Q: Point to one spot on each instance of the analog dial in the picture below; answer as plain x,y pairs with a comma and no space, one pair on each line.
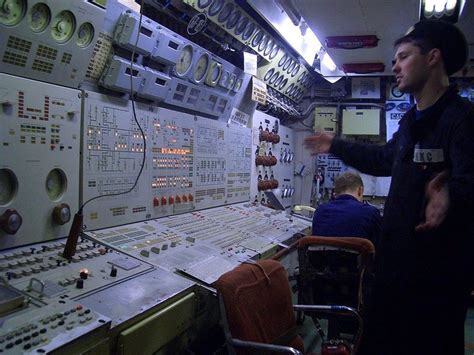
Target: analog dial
185,60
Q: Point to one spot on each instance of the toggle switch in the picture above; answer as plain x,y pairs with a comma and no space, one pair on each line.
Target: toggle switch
113,271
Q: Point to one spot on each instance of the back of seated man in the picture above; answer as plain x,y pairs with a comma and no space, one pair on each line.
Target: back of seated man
347,215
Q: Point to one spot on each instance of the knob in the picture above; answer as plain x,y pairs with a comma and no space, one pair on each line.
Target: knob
83,275
163,201
61,214
10,221
113,271
156,202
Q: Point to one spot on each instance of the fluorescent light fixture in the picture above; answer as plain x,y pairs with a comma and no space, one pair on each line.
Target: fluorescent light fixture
328,62
448,10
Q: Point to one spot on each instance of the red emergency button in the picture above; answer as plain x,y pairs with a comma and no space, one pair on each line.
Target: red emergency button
156,202
163,201
171,200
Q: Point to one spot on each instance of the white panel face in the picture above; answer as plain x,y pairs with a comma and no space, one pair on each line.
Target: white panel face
39,166
264,171
50,41
191,162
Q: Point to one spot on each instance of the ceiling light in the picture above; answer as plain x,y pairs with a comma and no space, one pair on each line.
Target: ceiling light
448,10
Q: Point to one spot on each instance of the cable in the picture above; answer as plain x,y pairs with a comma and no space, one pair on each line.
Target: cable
76,227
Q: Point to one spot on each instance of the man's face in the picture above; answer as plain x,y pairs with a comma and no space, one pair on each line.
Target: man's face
410,67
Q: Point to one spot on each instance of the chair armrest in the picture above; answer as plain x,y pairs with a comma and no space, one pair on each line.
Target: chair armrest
263,346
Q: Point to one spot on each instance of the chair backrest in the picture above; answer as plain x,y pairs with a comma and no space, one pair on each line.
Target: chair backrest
335,270
257,304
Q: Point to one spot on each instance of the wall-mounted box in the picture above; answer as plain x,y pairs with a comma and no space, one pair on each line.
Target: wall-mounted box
325,119
361,122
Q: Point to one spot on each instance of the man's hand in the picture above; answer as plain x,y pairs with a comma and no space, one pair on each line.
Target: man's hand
319,142
438,202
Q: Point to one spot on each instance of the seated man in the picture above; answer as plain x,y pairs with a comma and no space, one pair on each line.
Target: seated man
347,215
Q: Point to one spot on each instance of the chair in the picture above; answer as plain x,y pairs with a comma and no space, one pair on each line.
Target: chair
335,270
257,310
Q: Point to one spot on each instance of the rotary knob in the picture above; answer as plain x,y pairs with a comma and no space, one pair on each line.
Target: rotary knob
61,214
10,221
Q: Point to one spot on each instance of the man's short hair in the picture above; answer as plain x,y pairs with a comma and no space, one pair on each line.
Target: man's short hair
349,181
429,34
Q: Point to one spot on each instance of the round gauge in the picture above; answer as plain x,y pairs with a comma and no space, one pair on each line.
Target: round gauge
283,60
274,77
249,31
232,79
12,11
214,73
291,67
301,77
39,17
224,81
8,186
63,26
225,12
56,184
202,4
287,64
268,74
238,85
216,6
200,68
85,34
295,70
283,84
185,60
274,51
257,38
290,88
268,47
278,81
263,43
233,19
244,21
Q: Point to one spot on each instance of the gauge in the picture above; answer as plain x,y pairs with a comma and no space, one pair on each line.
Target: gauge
244,21
263,43
12,11
216,6
8,186
224,80
288,63
290,88
225,12
214,73
295,70
232,79
249,31
85,34
283,84
278,81
269,74
291,67
233,19
202,4
274,52
257,39
56,184
200,68
39,17
274,77
238,85
283,60
63,26
268,47
185,60
301,77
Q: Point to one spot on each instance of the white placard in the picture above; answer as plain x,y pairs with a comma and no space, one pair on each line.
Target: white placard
250,63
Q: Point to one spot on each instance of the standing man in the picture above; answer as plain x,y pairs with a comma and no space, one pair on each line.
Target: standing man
347,215
424,264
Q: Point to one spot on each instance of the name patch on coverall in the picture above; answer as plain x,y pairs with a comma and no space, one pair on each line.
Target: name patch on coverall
428,155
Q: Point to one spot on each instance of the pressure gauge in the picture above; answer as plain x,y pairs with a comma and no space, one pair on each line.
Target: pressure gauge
56,184
8,186
216,6
85,35
268,74
12,11
185,60
238,85
200,68
249,31
232,80
224,81
63,26
214,73
39,17
283,84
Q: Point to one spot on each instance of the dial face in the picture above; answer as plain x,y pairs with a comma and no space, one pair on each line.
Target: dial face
269,74
8,186
214,74
39,17
201,67
63,26
85,35
12,11
232,79
224,81
249,31
274,51
185,60
225,12
238,85
56,184
216,6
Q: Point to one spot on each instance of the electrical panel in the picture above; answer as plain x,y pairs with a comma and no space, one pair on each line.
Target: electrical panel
49,40
361,122
39,169
325,119
329,167
190,163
